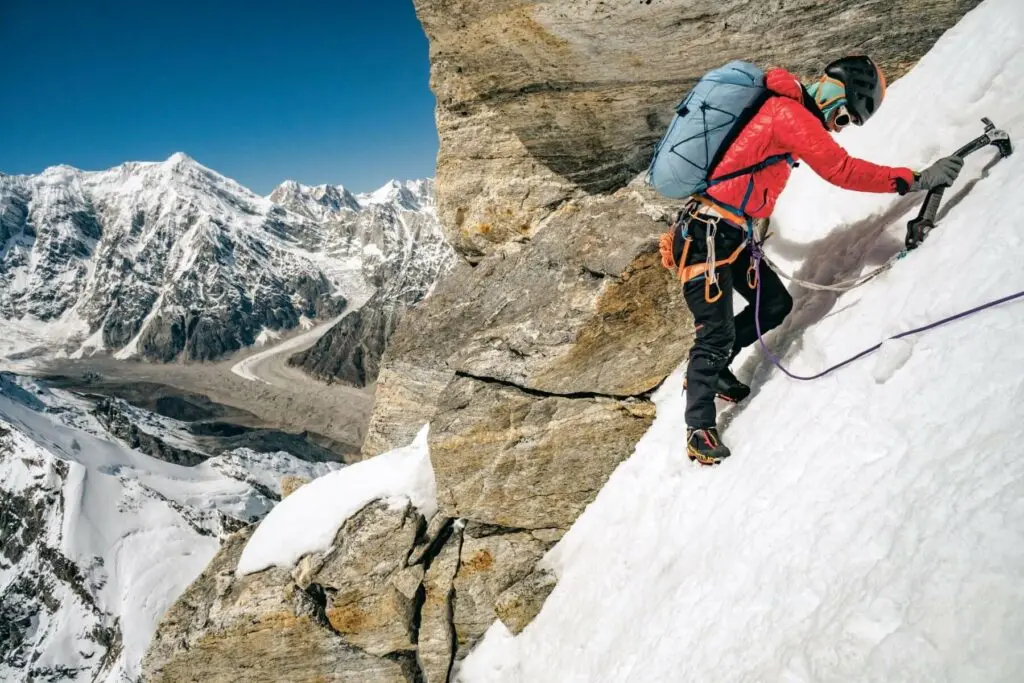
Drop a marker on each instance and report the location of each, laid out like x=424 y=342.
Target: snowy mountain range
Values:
x=171 y=259
x=98 y=538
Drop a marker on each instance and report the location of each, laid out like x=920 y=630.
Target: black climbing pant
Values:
x=721 y=334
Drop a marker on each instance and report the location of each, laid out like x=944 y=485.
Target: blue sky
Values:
x=315 y=91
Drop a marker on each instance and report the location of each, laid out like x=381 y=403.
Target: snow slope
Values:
x=98 y=540
x=308 y=521
x=870 y=525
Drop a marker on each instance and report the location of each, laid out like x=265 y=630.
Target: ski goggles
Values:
x=841 y=118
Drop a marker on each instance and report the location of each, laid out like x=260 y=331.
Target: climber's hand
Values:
x=943 y=172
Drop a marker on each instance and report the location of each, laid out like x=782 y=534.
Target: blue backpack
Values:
x=706 y=122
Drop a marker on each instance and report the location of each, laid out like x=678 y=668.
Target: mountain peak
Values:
x=315 y=200
x=179 y=158
x=412 y=194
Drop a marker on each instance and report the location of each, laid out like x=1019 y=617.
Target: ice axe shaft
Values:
x=918 y=228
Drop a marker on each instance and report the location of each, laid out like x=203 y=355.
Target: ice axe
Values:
x=918 y=228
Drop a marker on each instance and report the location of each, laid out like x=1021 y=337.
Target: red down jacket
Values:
x=785 y=123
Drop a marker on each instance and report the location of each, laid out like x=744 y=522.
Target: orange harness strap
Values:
x=728 y=215
x=687 y=273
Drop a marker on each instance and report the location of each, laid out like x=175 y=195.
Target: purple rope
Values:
x=756 y=255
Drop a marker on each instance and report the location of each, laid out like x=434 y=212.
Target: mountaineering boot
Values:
x=705 y=446
x=728 y=388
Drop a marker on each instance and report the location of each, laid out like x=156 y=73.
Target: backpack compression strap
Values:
x=773 y=159
x=742 y=208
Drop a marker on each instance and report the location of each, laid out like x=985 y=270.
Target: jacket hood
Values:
x=781 y=82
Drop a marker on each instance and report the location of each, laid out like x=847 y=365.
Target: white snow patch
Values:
x=266 y=336
x=893 y=355
x=861 y=531
x=308 y=520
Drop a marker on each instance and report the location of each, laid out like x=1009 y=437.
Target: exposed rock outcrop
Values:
x=505 y=457
x=336 y=617
x=584 y=309
x=437 y=629
x=539 y=102
x=395 y=598
x=369 y=595
x=534 y=360
x=492 y=560
x=522 y=601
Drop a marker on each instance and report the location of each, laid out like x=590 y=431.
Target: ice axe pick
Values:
x=918 y=228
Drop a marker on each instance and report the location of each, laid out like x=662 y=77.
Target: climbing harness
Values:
x=917 y=231
x=710 y=215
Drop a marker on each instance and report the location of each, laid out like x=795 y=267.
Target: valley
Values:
x=270 y=395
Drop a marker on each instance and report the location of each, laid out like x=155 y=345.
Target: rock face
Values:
x=268 y=627
x=267 y=623
x=583 y=309
x=437 y=630
x=369 y=593
x=351 y=614
x=539 y=102
x=492 y=561
x=522 y=601
x=534 y=359
x=508 y=458
x=396 y=598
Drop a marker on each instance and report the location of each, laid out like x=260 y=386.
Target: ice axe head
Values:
x=999 y=138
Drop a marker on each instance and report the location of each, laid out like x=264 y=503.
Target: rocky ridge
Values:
x=172 y=260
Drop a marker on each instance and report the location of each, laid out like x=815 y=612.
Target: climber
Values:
x=793 y=120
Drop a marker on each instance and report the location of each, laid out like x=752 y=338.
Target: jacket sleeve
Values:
x=801 y=133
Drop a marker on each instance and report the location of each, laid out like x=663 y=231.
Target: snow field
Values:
x=138 y=529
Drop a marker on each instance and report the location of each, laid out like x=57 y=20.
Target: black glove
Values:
x=942 y=172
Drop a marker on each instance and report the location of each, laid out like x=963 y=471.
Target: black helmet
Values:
x=864 y=84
